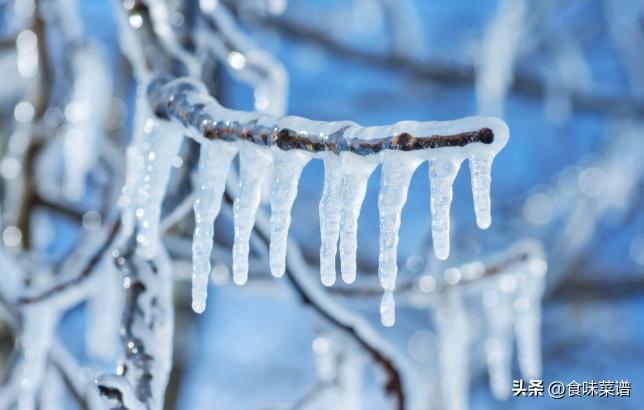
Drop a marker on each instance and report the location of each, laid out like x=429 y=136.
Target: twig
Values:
x=525 y=84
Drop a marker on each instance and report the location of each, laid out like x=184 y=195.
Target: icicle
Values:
x=481 y=170
x=134 y=164
x=397 y=170
x=442 y=172
x=161 y=145
x=498 y=345
x=287 y=168
x=330 y=213
x=528 y=321
x=214 y=162
x=388 y=308
x=355 y=175
x=254 y=163
x=454 y=343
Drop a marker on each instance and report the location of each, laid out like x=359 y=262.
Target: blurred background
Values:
x=566 y=76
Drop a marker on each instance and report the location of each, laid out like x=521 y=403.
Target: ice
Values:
x=349 y=160
x=528 y=320
x=248 y=62
x=481 y=171
x=149 y=162
x=499 y=313
x=355 y=175
x=254 y=165
x=397 y=171
x=287 y=168
x=330 y=214
x=134 y=164
x=388 y=308
x=214 y=162
x=454 y=344
x=160 y=146
x=442 y=172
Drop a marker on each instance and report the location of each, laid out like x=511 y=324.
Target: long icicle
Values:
x=498 y=345
x=330 y=215
x=287 y=168
x=355 y=175
x=527 y=324
x=397 y=171
x=254 y=163
x=214 y=162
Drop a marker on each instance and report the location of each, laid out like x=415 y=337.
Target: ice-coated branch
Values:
x=147 y=328
x=246 y=61
x=350 y=153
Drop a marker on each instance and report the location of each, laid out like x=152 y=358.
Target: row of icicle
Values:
x=509 y=306
x=156 y=144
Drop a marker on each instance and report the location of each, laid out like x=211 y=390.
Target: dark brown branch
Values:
x=173 y=101
x=84 y=273
x=73 y=214
x=490 y=270
x=35 y=143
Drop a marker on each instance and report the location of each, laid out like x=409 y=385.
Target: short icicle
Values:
x=442 y=172
x=330 y=215
x=214 y=162
x=287 y=168
x=254 y=163
x=355 y=175
x=481 y=173
x=397 y=171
